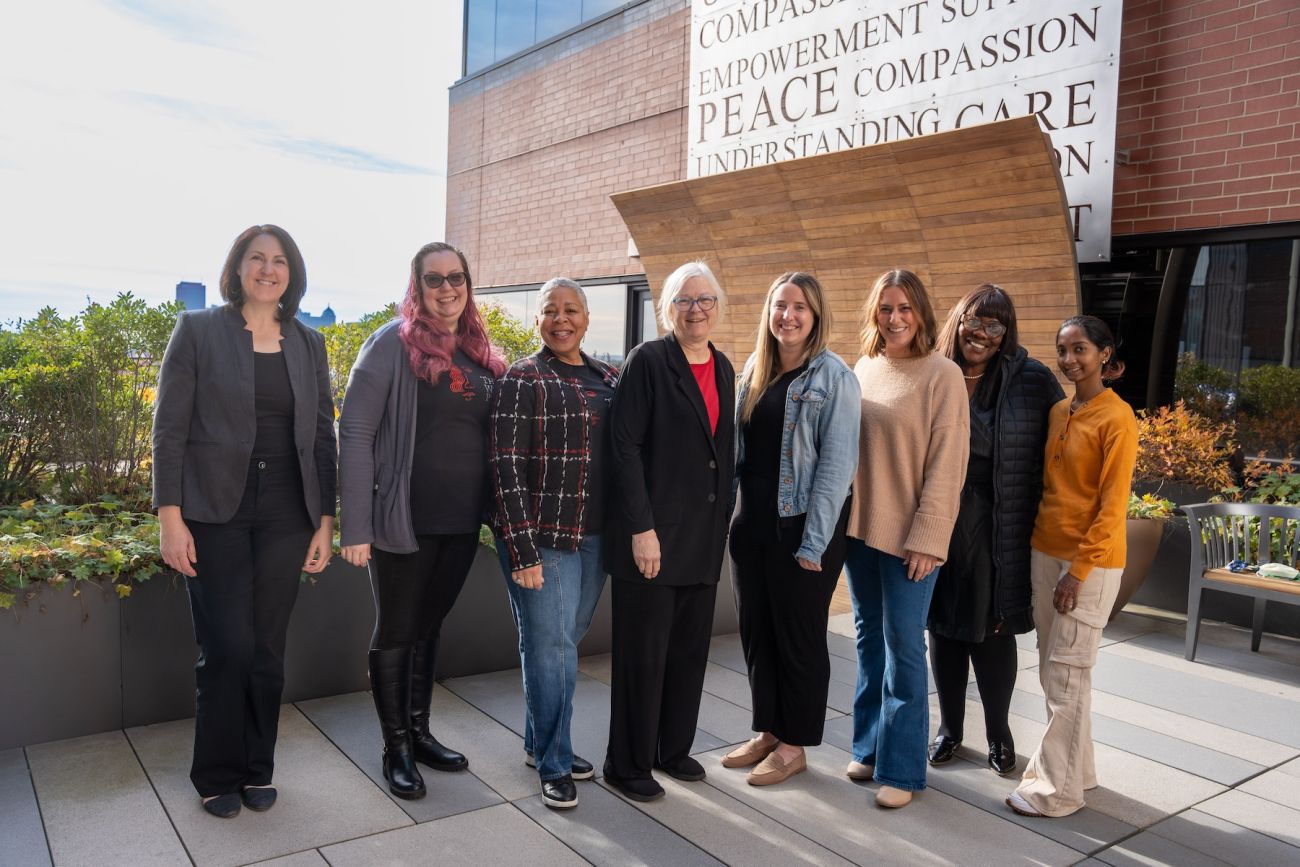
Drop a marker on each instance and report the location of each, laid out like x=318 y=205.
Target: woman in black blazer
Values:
x=672 y=422
x=243 y=481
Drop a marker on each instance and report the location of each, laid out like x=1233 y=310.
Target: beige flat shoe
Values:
x=748 y=753
x=774 y=769
x=892 y=798
x=860 y=772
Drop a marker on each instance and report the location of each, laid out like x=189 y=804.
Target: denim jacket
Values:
x=819 y=447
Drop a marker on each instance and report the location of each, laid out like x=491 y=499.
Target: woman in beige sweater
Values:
x=914 y=440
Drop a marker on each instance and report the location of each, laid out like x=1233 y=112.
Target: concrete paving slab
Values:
x=1148 y=849
x=606 y=829
x=1292 y=767
x=705 y=742
x=1236 y=667
x=1234 y=706
x=1127 y=625
x=1222 y=839
x=98 y=806
x=310 y=858
x=324 y=798
x=728 y=684
x=972 y=782
x=732 y=831
x=349 y=722
x=826 y=806
x=729 y=723
x=598 y=667
x=20 y=817
x=1282 y=648
x=727 y=651
x=1249 y=811
x=500 y=836
x=841 y=640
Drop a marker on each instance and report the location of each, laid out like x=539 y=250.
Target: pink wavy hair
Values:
x=429 y=345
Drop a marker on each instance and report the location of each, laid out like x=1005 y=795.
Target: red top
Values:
x=708 y=384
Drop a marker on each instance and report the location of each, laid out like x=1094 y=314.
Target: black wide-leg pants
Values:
x=241 y=599
x=660 y=651
x=783 y=611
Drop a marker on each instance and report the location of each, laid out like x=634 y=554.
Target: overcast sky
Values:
x=139 y=137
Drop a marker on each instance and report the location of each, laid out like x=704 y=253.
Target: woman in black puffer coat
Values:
x=982 y=597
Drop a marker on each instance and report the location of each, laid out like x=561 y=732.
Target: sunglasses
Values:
x=991 y=327
x=435 y=281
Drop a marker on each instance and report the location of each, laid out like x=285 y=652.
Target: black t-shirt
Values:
x=762 y=470
x=273 y=403
x=449 y=472
x=598 y=395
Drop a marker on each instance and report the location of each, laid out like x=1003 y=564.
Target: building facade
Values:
x=556 y=112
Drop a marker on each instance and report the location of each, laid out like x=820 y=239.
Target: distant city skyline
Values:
x=143 y=136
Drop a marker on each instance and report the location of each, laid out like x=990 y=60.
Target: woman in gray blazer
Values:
x=413 y=460
x=243 y=481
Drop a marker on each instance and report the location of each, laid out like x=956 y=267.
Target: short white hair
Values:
x=561 y=283
x=676 y=282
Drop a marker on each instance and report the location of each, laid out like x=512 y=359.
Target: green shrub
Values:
x=1204 y=388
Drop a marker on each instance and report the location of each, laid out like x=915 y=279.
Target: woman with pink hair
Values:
x=415 y=427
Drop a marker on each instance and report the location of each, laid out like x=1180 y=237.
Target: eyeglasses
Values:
x=704 y=302
x=435 y=281
x=991 y=327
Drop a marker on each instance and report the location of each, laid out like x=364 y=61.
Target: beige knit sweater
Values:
x=913 y=445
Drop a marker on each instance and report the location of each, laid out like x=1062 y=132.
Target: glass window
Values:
x=557 y=16
x=595 y=8
x=516 y=26
x=480 y=34
x=649 y=318
x=606 y=332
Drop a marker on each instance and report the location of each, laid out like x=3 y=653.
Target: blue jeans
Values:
x=891 y=709
x=551 y=621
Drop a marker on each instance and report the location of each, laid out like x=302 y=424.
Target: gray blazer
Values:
x=205 y=420
x=377 y=446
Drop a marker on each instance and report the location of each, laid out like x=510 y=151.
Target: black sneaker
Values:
x=688 y=770
x=581 y=769
x=560 y=794
x=635 y=790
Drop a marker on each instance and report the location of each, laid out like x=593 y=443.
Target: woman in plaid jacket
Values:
x=550 y=460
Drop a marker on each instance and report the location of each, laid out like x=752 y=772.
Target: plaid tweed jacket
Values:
x=541 y=452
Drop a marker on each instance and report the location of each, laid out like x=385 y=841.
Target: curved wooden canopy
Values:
x=960 y=208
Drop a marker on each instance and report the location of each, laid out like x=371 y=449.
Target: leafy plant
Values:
x=1266 y=482
x=1177 y=445
x=514 y=338
x=343 y=341
x=1205 y=389
x=60 y=545
x=1149 y=506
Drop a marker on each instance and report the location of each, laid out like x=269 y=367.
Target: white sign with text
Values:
x=775 y=80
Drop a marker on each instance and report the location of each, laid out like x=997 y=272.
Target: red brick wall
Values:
x=1209 y=110
x=538 y=146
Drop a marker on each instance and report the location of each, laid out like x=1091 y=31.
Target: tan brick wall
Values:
x=1209 y=111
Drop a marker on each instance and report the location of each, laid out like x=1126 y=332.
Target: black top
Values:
x=449 y=471
x=760 y=476
x=979 y=467
x=273 y=400
x=598 y=395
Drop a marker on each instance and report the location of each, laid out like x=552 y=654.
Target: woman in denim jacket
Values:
x=797 y=420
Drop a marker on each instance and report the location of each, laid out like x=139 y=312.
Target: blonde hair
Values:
x=677 y=281
x=765 y=368
x=873 y=342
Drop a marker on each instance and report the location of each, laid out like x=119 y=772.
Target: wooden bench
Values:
x=1252 y=533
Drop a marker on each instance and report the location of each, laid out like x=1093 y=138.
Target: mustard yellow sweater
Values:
x=913 y=445
x=1087 y=477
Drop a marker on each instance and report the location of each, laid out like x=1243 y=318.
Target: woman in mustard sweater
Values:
x=913 y=443
x=1077 y=556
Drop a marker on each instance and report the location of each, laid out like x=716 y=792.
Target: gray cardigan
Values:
x=377 y=446
x=205 y=420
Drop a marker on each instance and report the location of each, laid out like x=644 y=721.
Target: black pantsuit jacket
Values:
x=671 y=473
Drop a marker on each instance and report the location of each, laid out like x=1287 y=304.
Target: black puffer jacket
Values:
x=1026 y=394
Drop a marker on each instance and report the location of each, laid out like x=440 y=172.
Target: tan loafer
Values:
x=892 y=798
x=774 y=769
x=748 y=753
x=860 y=772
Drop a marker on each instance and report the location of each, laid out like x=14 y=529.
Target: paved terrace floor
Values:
x=1197 y=761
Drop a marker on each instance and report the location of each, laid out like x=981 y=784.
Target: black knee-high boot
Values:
x=390 y=683
x=427 y=749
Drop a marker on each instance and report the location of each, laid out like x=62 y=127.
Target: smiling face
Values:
x=264 y=271
x=1078 y=357
x=447 y=302
x=978 y=346
x=562 y=322
x=897 y=322
x=790 y=318
x=693 y=324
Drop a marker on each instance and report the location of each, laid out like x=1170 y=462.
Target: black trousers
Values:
x=783 y=611
x=995 y=661
x=660 y=651
x=414 y=592
x=248 y=573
